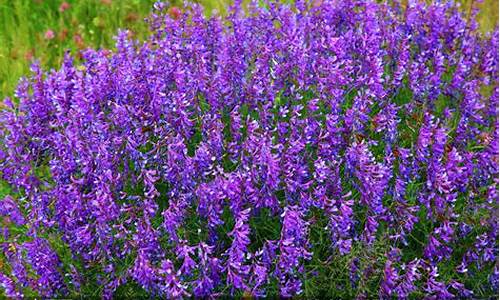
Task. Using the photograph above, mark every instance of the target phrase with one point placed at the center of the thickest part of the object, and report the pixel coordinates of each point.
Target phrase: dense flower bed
(329, 148)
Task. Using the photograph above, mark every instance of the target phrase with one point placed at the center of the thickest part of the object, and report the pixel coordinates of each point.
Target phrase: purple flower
(9, 288)
(46, 264)
(237, 270)
(293, 251)
(10, 209)
(389, 280)
(144, 273)
(257, 153)
(173, 287)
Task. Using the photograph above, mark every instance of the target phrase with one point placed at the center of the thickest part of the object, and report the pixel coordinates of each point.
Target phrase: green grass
(86, 23)
(488, 13)
(89, 23)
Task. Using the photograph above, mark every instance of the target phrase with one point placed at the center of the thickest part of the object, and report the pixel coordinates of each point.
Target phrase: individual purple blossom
(389, 280)
(436, 288)
(209, 271)
(436, 250)
(18, 268)
(386, 122)
(173, 287)
(9, 287)
(408, 281)
(293, 250)
(261, 268)
(341, 223)
(373, 179)
(46, 264)
(237, 269)
(144, 273)
(186, 254)
(424, 139)
(373, 176)
(9, 208)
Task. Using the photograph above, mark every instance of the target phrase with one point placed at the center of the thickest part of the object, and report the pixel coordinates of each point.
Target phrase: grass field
(45, 29)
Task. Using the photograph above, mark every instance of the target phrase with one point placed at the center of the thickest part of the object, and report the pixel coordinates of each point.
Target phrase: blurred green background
(44, 29)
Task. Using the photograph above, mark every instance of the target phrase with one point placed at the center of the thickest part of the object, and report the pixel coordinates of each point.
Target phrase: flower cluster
(336, 148)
